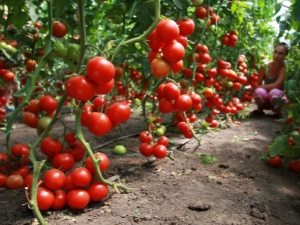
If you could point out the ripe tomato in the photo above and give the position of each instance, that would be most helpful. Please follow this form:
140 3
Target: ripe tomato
99 123
9 76
294 166
171 91
208 92
81 177
3 179
275 161
183 103
103 164
78 199
30 119
160 151
103 89
97 191
146 149
14 181
183 127
163 140
145 137
81 88
54 179
186 27
20 152
63 161
167 30
50 147
28 181
48 103
153 42
60 200
59 29
289 120
68 185
34 106
70 137
173 52
160 68
4 163
119 112
45 198
100 70
165 106
177 67
200 12
23 171
77 150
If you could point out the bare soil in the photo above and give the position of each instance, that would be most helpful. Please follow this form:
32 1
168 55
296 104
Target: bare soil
238 189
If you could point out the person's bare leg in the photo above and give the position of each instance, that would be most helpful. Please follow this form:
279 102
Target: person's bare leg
259 103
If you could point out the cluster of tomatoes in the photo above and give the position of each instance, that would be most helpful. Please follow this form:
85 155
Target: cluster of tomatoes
149 146
229 39
167 42
100 116
6 75
56 189
39 112
201 13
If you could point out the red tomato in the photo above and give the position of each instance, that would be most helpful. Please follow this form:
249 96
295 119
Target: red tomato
77 150
9 76
160 68
275 161
160 151
103 89
50 147
28 181
78 199
200 12
99 123
30 119
48 103
145 137
103 164
294 166
81 177
14 181
81 88
20 152
183 127
119 112
60 200
183 103
163 140
173 52
177 67
70 137
23 171
97 191
186 27
45 198
153 42
146 149
167 30
98 102
54 179
165 106
34 106
68 185
3 179
63 161
171 91
59 29
100 70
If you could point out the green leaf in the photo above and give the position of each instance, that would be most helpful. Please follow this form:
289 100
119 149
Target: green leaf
18 19
296 137
177 3
277 7
279 144
22 91
32 11
297 11
290 87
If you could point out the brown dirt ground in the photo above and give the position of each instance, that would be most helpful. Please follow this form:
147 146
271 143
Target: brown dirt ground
238 189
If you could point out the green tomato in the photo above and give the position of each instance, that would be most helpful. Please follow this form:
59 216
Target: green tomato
119 150
229 84
159 132
60 50
117 20
197 2
43 123
3 45
10 49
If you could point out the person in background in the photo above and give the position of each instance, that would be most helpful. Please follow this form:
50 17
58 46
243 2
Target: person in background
270 83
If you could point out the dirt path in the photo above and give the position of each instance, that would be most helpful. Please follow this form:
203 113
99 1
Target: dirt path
237 189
